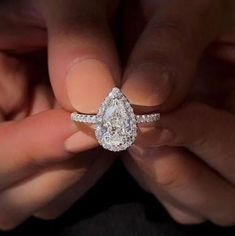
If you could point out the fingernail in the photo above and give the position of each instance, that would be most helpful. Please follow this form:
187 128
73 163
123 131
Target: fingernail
154 136
88 83
80 142
148 85
151 140
139 152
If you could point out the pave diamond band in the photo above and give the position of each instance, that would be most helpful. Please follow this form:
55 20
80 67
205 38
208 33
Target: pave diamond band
91 119
148 118
116 123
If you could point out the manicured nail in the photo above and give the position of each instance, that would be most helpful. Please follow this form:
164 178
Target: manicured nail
88 83
147 85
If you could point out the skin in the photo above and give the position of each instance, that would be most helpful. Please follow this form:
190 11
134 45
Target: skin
38 175
187 160
176 161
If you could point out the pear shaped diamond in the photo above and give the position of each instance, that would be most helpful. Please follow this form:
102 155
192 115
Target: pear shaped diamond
116 126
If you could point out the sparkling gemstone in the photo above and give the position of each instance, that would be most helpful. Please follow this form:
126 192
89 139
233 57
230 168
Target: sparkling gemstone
116 127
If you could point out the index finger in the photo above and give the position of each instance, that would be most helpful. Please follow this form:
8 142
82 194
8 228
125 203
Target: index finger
38 140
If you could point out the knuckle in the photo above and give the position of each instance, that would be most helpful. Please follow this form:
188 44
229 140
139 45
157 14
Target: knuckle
168 177
168 29
176 173
167 43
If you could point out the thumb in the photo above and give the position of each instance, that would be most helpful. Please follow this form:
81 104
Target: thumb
83 62
165 58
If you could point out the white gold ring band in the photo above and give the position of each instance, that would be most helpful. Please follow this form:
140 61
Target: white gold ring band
91 119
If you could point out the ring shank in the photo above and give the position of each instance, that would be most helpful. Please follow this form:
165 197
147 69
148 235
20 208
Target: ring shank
91 119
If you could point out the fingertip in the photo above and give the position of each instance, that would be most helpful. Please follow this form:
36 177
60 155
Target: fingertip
148 86
86 80
81 141
83 61
155 137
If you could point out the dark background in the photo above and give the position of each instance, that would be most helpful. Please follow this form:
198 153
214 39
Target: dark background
116 206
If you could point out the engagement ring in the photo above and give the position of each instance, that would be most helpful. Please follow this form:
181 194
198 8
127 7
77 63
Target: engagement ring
116 123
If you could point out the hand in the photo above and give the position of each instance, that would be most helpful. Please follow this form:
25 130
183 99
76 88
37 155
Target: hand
39 173
187 161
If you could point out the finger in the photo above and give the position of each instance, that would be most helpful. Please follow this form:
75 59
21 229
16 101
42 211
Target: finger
34 142
164 60
189 181
23 199
135 171
42 100
83 62
207 132
26 24
64 201
13 84
177 211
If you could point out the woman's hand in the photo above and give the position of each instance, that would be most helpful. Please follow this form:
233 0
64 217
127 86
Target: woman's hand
39 173
187 161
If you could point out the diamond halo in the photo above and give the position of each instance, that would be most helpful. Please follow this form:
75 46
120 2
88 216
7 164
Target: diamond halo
116 123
